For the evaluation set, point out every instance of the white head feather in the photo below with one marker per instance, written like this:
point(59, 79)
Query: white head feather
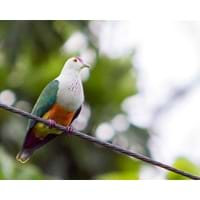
point(75, 64)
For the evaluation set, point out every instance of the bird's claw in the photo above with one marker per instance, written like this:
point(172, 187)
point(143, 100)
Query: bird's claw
point(69, 130)
point(52, 123)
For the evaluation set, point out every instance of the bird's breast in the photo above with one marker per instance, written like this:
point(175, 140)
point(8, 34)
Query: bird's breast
point(70, 93)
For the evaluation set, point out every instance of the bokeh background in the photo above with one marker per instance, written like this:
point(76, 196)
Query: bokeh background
point(142, 93)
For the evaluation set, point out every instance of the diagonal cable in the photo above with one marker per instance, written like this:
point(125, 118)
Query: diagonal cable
point(107, 145)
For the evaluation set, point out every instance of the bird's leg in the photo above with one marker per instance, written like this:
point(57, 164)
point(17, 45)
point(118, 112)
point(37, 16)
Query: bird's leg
point(52, 123)
point(69, 130)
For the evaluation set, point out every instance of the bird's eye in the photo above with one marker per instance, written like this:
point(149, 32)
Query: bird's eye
point(75, 60)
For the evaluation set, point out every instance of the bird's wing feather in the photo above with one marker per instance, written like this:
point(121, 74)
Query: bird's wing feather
point(76, 114)
point(45, 101)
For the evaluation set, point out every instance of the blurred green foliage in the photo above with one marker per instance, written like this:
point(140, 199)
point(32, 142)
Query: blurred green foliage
point(128, 169)
point(114, 79)
point(31, 55)
point(186, 165)
point(10, 169)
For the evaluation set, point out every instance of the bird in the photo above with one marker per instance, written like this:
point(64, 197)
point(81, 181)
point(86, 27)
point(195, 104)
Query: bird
point(59, 102)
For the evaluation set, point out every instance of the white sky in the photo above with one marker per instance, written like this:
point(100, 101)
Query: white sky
point(167, 57)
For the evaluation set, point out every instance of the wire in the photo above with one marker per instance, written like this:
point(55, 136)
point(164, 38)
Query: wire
point(107, 145)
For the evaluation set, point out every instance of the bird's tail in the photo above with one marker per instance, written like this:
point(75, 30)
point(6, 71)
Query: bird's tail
point(24, 155)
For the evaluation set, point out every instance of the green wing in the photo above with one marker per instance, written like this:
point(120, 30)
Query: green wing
point(46, 99)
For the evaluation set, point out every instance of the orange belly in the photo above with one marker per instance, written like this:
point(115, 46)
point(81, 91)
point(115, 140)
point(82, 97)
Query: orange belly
point(60, 115)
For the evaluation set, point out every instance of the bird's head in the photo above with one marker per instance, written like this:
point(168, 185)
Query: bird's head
point(76, 64)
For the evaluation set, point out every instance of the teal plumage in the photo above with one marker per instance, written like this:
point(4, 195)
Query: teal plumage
point(46, 99)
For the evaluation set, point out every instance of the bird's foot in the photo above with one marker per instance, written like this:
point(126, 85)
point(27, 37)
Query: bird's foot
point(52, 123)
point(69, 130)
